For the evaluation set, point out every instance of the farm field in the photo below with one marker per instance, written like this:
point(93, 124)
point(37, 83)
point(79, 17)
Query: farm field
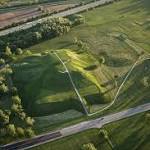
point(138, 126)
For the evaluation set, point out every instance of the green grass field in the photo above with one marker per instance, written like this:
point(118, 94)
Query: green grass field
point(42, 81)
point(135, 91)
point(130, 17)
point(118, 32)
point(132, 133)
point(47, 92)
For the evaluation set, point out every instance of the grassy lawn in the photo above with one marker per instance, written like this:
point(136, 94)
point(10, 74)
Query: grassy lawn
point(132, 133)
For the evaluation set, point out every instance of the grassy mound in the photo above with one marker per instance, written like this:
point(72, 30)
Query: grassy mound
point(46, 90)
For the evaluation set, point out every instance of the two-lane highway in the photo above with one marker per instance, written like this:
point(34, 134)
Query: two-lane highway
point(80, 127)
point(60, 14)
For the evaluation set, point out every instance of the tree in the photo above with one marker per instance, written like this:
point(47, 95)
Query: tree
point(3, 88)
point(37, 36)
point(89, 146)
point(2, 79)
point(7, 70)
point(22, 115)
point(28, 52)
point(20, 131)
point(19, 51)
point(4, 118)
point(11, 130)
point(29, 132)
point(16, 100)
point(8, 51)
point(78, 19)
point(30, 121)
point(2, 61)
point(14, 108)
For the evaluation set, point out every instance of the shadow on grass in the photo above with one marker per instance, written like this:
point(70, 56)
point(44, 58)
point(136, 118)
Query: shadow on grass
point(95, 99)
point(116, 62)
point(55, 107)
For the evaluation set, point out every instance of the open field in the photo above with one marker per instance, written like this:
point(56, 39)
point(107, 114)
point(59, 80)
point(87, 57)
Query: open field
point(136, 136)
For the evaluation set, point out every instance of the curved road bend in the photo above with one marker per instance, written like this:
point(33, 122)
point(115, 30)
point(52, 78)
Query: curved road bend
point(95, 123)
point(139, 60)
point(60, 14)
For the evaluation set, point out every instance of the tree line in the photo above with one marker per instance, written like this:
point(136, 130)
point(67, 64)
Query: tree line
point(42, 31)
point(14, 122)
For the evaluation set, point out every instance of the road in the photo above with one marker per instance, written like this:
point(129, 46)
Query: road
point(60, 14)
point(80, 127)
point(74, 86)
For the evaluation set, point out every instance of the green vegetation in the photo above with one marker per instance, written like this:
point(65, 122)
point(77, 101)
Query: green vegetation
point(48, 29)
point(125, 134)
point(99, 31)
point(50, 90)
point(116, 41)
point(14, 122)
point(136, 89)
point(98, 54)
point(88, 146)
